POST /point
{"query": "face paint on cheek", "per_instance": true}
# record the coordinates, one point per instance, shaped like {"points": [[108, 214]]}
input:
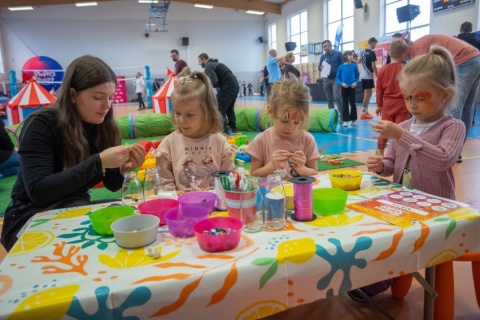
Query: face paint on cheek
{"points": [[424, 99]]}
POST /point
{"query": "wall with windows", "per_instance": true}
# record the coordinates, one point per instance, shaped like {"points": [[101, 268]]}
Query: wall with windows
{"points": [[114, 31], [365, 24]]}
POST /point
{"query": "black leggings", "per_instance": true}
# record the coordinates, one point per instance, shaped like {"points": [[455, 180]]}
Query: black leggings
{"points": [[140, 101]]}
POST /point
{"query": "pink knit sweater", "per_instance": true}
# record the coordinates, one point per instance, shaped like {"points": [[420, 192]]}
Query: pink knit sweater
{"points": [[433, 154]]}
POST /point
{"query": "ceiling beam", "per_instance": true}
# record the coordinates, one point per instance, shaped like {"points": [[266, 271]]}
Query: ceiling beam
{"points": [[257, 5], [36, 3]]}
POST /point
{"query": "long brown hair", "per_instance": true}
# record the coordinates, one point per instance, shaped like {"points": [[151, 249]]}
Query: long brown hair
{"points": [[83, 73]]}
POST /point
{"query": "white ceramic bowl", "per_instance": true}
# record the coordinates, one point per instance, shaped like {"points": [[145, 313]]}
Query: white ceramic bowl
{"points": [[136, 231]]}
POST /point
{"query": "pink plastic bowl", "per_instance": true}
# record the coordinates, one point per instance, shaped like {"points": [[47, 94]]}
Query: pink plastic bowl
{"points": [[217, 243], [158, 207], [180, 220], [198, 198]]}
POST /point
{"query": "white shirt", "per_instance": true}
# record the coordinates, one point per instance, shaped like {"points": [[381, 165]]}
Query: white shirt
{"points": [[140, 84]]}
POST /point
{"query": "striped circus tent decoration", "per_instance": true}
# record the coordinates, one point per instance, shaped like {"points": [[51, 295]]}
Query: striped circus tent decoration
{"points": [[31, 97], [161, 98]]}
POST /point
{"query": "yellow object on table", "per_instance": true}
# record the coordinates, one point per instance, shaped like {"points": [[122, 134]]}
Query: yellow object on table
{"points": [[345, 179]]}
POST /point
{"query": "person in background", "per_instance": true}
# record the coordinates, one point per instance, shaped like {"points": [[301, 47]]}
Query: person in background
{"points": [[187, 157], [250, 86], [424, 148], [287, 148], [244, 88], [330, 86], [368, 59], [466, 35], [223, 78], [70, 147], [273, 67], [394, 37], [265, 80], [179, 63], [347, 78], [139, 90], [467, 62], [390, 103], [9, 158], [287, 68]]}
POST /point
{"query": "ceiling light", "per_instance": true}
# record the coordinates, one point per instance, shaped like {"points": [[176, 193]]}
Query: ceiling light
{"points": [[85, 4], [260, 13], [147, 1], [20, 8], [204, 6]]}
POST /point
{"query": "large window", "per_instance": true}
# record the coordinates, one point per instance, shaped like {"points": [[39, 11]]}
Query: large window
{"points": [[340, 12], [298, 32], [272, 36], [418, 27]]}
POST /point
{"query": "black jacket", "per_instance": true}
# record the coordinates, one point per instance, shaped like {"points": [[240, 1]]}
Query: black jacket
{"points": [[6, 144], [221, 76], [470, 38]]}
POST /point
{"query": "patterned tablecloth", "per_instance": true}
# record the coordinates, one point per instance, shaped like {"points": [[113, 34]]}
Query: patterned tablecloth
{"points": [[60, 268]]}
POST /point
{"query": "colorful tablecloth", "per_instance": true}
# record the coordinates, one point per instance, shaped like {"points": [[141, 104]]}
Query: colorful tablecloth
{"points": [[60, 268]]}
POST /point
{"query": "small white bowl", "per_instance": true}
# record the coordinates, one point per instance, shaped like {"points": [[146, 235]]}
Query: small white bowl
{"points": [[136, 231]]}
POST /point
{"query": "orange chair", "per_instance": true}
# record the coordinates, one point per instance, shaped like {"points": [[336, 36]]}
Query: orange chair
{"points": [[444, 306]]}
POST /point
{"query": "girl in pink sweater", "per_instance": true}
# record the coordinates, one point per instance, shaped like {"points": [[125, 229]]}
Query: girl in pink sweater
{"points": [[425, 147]]}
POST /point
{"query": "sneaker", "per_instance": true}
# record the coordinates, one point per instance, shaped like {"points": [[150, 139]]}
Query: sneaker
{"points": [[354, 123], [234, 130], [379, 152], [355, 296], [365, 116], [345, 124]]}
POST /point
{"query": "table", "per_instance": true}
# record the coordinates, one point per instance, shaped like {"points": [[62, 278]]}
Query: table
{"points": [[61, 269]]}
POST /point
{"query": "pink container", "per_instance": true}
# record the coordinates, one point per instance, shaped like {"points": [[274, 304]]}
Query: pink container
{"points": [[180, 220], [217, 243], [198, 198], [158, 207]]}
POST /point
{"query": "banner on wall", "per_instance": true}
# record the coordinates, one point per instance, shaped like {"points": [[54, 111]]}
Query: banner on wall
{"points": [[120, 95], [45, 70], [441, 5]]}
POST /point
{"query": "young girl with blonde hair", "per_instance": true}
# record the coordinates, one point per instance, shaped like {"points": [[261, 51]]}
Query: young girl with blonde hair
{"points": [[188, 156], [286, 148], [424, 148]]}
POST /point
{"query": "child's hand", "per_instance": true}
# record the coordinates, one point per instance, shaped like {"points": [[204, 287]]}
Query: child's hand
{"points": [[375, 164], [279, 157], [378, 112], [344, 85], [298, 159], [387, 129], [354, 85]]}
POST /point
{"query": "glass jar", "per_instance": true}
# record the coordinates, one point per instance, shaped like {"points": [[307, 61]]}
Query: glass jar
{"points": [[275, 213], [152, 186], [132, 191]]}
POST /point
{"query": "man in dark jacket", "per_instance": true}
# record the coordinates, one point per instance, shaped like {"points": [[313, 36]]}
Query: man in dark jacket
{"points": [[467, 35], [226, 82]]}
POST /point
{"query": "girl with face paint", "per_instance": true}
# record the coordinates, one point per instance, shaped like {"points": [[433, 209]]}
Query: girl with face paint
{"points": [[287, 148]]}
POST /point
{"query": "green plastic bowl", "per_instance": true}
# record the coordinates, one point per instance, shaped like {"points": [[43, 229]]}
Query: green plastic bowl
{"points": [[102, 219], [328, 201]]}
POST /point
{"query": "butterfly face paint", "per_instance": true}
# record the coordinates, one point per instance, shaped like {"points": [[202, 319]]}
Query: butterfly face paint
{"points": [[293, 115]]}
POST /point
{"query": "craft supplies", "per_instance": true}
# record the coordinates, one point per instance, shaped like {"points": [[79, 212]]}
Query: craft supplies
{"points": [[221, 183], [302, 198]]}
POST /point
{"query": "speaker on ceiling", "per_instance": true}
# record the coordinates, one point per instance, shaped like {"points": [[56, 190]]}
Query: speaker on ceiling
{"points": [[261, 40], [407, 13], [185, 41], [290, 46], [358, 4]]}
